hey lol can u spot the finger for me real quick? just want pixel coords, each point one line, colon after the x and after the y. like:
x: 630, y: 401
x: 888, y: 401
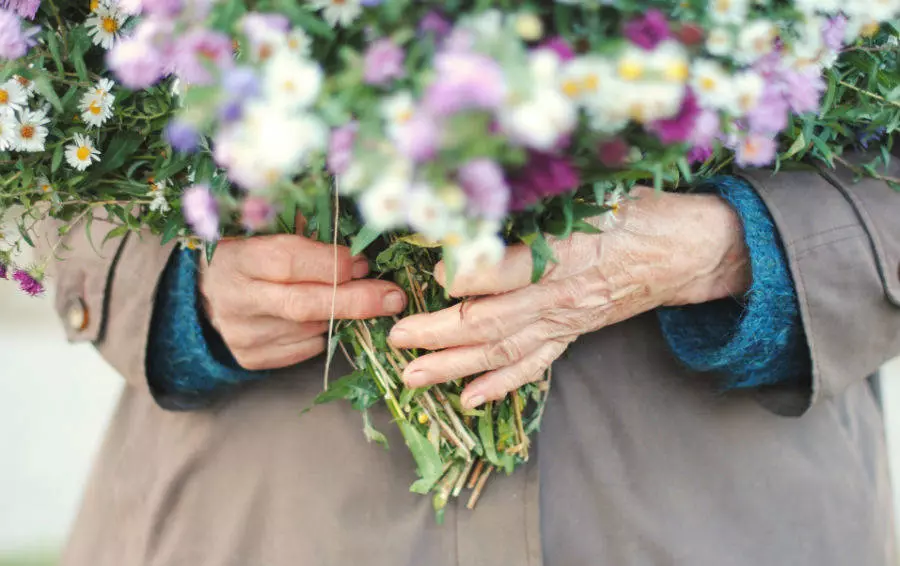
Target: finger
x: 488, y: 319
x: 314, y: 302
x: 496, y: 384
x: 263, y: 331
x: 511, y: 273
x: 281, y: 356
x: 456, y: 363
x: 295, y: 259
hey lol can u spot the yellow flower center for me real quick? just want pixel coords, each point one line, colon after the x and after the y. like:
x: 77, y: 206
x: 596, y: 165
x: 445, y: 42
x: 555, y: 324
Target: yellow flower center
x: 46, y: 188
x: 707, y: 83
x: 722, y: 5
x: 591, y: 83
x: 404, y: 116
x: 94, y: 5
x: 571, y: 88
x: 109, y: 25
x: 452, y: 239
x: 293, y: 44
x: 4, y: 96
x: 83, y: 153
x: 630, y: 70
x: 870, y: 29
x: 26, y: 131
x: 94, y: 108
x: 677, y: 71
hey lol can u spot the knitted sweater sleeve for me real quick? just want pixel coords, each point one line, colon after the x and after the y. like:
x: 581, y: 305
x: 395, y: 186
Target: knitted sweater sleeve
x: 754, y: 340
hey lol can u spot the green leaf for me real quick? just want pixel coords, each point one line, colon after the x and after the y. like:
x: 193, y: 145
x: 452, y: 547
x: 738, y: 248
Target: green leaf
x: 53, y: 45
x: 118, y: 150
x: 428, y: 460
x: 541, y: 253
x: 210, y: 249
x: 796, y: 147
x: 305, y: 19
x: 57, y: 158
x: 44, y: 87
x: 172, y: 228
x: 364, y: 239
x: 486, y: 433
x: 372, y: 435
x: 116, y: 232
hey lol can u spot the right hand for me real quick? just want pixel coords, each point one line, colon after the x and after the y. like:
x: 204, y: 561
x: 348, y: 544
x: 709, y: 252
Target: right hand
x: 270, y: 297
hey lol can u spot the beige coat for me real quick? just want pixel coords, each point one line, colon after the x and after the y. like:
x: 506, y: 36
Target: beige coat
x: 639, y: 461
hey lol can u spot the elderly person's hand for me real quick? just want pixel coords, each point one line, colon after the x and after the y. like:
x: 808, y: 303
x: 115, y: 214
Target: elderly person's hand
x: 665, y: 249
x: 270, y: 297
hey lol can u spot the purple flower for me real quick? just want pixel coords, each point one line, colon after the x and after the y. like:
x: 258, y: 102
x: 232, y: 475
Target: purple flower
x: 649, y: 30
x: 680, y: 127
x: 371, y: 3
x: 435, y: 23
x: 136, y: 63
x: 256, y: 214
x: 383, y: 62
x: 864, y: 138
x: 771, y: 113
x: 803, y: 89
x: 182, y: 136
x: 3, y: 270
x: 485, y: 186
x: 419, y: 137
x: 28, y: 283
x: 201, y: 212
x: 240, y: 84
x: 613, y: 153
x: 465, y: 81
x: 755, y: 150
x: 544, y: 175
x: 340, y: 148
x: 559, y: 46
x: 25, y: 8
x: 162, y: 8
x: 200, y: 52
x: 834, y: 30
x: 699, y: 153
x: 706, y: 128
x: 14, y: 39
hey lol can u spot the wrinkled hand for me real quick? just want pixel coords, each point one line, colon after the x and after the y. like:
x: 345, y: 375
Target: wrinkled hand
x: 665, y: 249
x: 270, y: 297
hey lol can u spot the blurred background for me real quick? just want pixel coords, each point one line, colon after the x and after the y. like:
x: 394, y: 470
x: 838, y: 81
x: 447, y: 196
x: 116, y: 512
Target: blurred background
x: 55, y: 401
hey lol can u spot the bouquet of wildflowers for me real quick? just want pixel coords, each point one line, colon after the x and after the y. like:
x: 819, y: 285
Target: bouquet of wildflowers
x: 416, y: 132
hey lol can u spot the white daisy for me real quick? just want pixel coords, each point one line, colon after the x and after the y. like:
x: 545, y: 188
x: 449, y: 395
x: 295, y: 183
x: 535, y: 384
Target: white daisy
x: 427, y: 214
x: 298, y: 42
x: 483, y: 251
x: 383, y: 205
x: 728, y: 11
x: 105, y: 25
x: 292, y: 82
x: 756, y: 40
x: 712, y: 85
x: 43, y: 184
x: 748, y: 89
x: 8, y: 126
x: 81, y: 153
x: 158, y: 194
x: 338, y: 12
x: 30, y: 130
x: 720, y: 42
x: 397, y: 110
x: 12, y: 96
x: 97, y: 104
x: 670, y: 63
x: 584, y: 78
x: 26, y: 84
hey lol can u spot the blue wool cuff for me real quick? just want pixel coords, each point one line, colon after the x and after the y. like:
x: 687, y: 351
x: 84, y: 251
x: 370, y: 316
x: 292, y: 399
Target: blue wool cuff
x: 188, y: 364
x: 758, y: 340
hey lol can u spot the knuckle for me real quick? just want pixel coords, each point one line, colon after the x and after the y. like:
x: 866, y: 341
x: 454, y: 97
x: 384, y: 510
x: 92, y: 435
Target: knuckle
x: 296, y: 306
x: 247, y: 360
x: 503, y: 353
x: 488, y: 326
x: 571, y: 293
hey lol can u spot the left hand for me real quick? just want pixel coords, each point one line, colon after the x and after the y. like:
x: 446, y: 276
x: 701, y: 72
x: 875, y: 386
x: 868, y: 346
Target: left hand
x: 665, y: 249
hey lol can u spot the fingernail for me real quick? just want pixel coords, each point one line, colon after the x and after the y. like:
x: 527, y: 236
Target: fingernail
x: 398, y: 336
x: 360, y: 268
x: 473, y: 401
x: 394, y: 302
x: 416, y: 378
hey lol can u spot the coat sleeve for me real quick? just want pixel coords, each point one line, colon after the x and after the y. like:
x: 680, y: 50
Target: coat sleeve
x: 105, y: 291
x: 842, y: 240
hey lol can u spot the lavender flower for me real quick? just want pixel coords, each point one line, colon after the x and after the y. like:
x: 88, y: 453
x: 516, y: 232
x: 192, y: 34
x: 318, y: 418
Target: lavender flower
x: 182, y: 136
x: 14, y: 39
x: 803, y: 89
x: 435, y: 23
x: 649, y: 30
x: 24, y: 8
x: 201, y: 212
x: 383, y: 62
x: 864, y: 138
x: 465, y: 81
x: 485, y: 186
x: 136, y: 63
x: 544, y: 175
x: 240, y: 85
x: 771, y: 113
x: 162, y: 8
x: 680, y: 127
x: 834, y: 30
x: 699, y: 153
x: 28, y: 283
x: 256, y: 214
x: 201, y: 51
x: 419, y: 137
x: 340, y: 148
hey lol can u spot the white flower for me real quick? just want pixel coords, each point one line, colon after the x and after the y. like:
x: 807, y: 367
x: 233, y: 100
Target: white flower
x: 96, y: 105
x: 586, y: 78
x: 428, y: 214
x: 158, y: 193
x: 756, y: 40
x: 483, y: 251
x: 12, y: 96
x: 30, y: 130
x: 728, y: 11
x: 720, y: 42
x: 669, y: 63
x: 26, y: 84
x: 487, y: 24
x: 809, y: 46
x: 712, y: 85
x: 43, y: 184
x: 338, y: 12
x: 397, y: 110
x: 748, y: 89
x: 654, y: 101
x: 299, y: 43
x: 105, y: 25
x: 383, y: 205
x: 8, y: 126
x: 633, y: 65
x: 613, y: 201
x: 82, y: 153
x: 292, y: 82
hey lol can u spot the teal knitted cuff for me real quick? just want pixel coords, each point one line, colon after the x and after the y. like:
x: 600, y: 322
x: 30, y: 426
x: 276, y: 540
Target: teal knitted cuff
x: 760, y: 339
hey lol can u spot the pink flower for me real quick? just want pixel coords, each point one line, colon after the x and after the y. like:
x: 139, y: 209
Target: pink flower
x: 28, y: 283
x: 486, y: 188
x: 201, y: 211
x: 678, y: 128
x: 340, y: 148
x: 649, y: 30
x: 465, y: 81
x: 199, y: 52
x: 770, y: 115
x: 256, y: 214
x: 435, y: 23
x: 755, y: 150
x: 419, y: 137
x: 24, y: 8
x: 544, y: 175
x: 14, y: 39
x: 559, y: 46
x: 383, y: 62
x: 613, y: 153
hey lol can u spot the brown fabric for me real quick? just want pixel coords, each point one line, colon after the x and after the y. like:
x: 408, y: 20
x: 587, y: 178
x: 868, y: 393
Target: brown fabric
x: 640, y: 462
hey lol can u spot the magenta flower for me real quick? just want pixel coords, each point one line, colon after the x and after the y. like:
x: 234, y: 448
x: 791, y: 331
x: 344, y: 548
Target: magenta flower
x: 544, y: 175
x: 136, y: 63
x: 485, y: 186
x: 465, y: 81
x: 419, y: 137
x: 699, y: 153
x: 4, y: 270
x: 14, y: 39
x: 28, y: 283
x: 559, y: 46
x: 678, y: 128
x: 755, y: 150
x: 199, y: 53
x: 256, y: 214
x: 649, y: 30
x: 435, y: 23
x: 340, y: 148
x: 201, y: 211
x: 24, y: 8
x: 383, y: 62
x: 613, y: 153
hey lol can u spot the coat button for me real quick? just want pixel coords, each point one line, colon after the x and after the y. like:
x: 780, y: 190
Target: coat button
x: 76, y: 315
